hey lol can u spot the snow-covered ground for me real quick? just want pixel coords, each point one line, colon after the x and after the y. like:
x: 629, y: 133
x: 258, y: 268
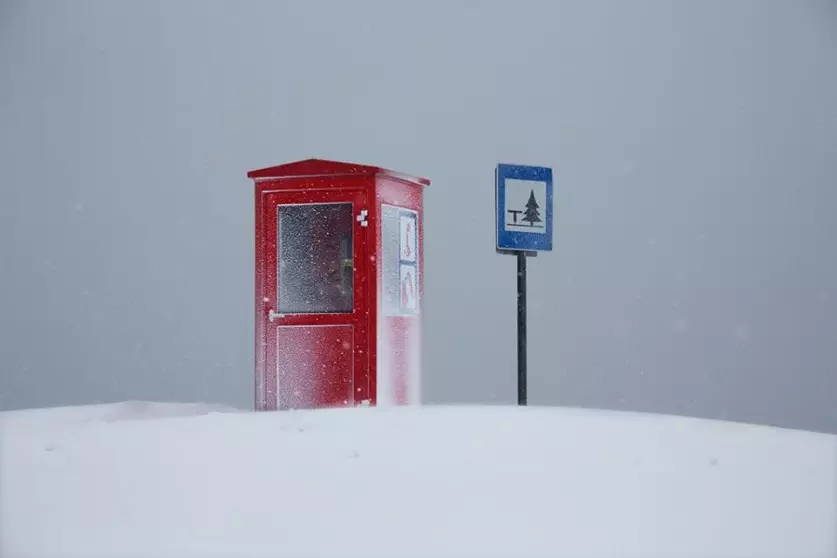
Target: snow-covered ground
x: 206, y: 481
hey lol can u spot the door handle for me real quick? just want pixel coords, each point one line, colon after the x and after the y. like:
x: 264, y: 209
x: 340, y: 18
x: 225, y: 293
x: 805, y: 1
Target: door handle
x: 271, y: 315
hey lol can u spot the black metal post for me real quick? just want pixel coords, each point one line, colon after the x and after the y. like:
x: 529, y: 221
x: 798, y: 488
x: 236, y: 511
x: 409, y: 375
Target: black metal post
x: 521, y: 328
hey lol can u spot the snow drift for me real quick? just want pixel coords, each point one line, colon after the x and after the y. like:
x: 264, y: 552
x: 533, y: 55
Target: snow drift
x: 201, y: 481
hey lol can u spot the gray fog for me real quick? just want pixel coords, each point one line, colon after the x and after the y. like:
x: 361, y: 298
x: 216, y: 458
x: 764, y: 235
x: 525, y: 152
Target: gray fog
x: 694, y: 151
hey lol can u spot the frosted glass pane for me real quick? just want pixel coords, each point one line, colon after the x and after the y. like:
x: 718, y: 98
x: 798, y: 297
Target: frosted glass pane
x: 399, y: 238
x: 314, y: 254
x: 389, y: 240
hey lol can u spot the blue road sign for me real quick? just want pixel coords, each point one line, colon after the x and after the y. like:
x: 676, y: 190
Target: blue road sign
x: 524, y: 208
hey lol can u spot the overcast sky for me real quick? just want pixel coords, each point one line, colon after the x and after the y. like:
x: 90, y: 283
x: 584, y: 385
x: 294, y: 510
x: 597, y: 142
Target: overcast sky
x: 694, y: 148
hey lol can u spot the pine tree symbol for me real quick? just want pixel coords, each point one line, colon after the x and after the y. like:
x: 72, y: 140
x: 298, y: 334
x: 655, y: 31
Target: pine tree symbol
x: 531, y: 215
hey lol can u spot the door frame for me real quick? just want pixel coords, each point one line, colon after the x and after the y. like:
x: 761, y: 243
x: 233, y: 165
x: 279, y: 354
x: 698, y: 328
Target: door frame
x: 358, y: 318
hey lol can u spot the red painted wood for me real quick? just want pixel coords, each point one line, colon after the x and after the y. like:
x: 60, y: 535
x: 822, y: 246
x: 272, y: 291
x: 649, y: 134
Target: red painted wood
x: 328, y: 338
x: 315, y: 366
x: 322, y: 181
x: 401, y: 334
x: 321, y: 167
x: 259, y: 345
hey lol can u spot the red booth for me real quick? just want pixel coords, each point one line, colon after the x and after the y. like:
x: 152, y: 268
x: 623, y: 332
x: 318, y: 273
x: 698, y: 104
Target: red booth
x: 338, y: 285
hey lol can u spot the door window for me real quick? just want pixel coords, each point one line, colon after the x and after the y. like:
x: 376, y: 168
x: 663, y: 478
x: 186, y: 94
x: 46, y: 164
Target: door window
x: 314, y: 254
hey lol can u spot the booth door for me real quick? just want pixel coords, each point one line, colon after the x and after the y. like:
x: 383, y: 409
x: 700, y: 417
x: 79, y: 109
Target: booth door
x: 316, y: 317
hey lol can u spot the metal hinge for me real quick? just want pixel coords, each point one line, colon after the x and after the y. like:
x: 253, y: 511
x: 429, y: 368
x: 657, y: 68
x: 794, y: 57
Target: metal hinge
x: 361, y: 218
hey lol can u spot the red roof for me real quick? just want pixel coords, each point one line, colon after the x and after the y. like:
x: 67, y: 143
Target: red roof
x: 320, y: 167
